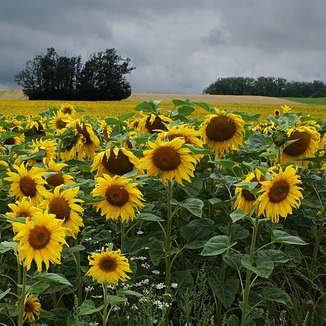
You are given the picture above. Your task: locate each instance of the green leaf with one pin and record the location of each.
(7, 246)
(238, 215)
(156, 252)
(185, 110)
(233, 259)
(224, 292)
(52, 277)
(276, 256)
(38, 156)
(14, 219)
(216, 245)
(256, 142)
(178, 102)
(205, 106)
(226, 164)
(88, 199)
(277, 295)
(150, 106)
(88, 308)
(3, 294)
(283, 237)
(263, 266)
(126, 116)
(76, 248)
(148, 217)
(193, 205)
(233, 320)
(114, 122)
(116, 300)
(129, 292)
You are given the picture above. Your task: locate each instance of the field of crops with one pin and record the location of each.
(162, 213)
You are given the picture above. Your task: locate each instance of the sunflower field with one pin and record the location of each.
(183, 214)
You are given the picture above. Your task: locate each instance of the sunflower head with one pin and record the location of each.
(109, 266)
(279, 137)
(277, 112)
(67, 109)
(31, 309)
(152, 123)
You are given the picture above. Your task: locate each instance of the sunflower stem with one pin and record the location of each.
(79, 278)
(168, 236)
(249, 272)
(21, 301)
(105, 302)
(122, 234)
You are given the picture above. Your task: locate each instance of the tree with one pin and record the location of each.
(103, 77)
(51, 76)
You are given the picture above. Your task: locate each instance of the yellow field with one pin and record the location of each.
(14, 102)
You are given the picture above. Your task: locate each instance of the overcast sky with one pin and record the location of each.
(177, 46)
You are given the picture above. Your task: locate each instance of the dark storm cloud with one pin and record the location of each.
(177, 46)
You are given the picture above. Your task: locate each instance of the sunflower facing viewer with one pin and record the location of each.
(40, 239)
(108, 266)
(280, 194)
(32, 308)
(171, 159)
(122, 197)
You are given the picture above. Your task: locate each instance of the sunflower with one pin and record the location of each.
(115, 161)
(32, 308)
(20, 138)
(152, 123)
(280, 194)
(90, 141)
(277, 112)
(48, 145)
(222, 131)
(68, 109)
(245, 199)
(286, 108)
(40, 239)
(59, 122)
(108, 266)
(22, 208)
(105, 129)
(171, 159)
(64, 205)
(59, 178)
(36, 126)
(306, 145)
(122, 197)
(27, 183)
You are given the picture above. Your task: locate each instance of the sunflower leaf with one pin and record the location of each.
(88, 307)
(283, 237)
(194, 206)
(7, 246)
(216, 245)
(238, 215)
(126, 116)
(148, 217)
(277, 295)
(3, 294)
(38, 156)
(52, 277)
(129, 292)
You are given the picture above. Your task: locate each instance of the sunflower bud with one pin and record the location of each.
(279, 137)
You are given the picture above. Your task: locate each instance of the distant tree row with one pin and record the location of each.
(266, 86)
(54, 77)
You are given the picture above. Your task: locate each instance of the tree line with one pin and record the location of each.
(53, 77)
(266, 86)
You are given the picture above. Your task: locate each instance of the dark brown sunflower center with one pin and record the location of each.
(83, 130)
(23, 214)
(117, 195)
(220, 128)
(278, 191)
(171, 137)
(60, 208)
(9, 141)
(60, 124)
(67, 111)
(108, 265)
(38, 129)
(154, 126)
(55, 180)
(166, 158)
(39, 237)
(249, 196)
(27, 186)
(277, 113)
(29, 307)
(300, 146)
(117, 165)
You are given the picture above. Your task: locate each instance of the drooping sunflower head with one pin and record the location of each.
(223, 132)
(152, 123)
(58, 178)
(307, 141)
(27, 183)
(115, 161)
(109, 266)
(31, 309)
(36, 126)
(65, 206)
(280, 194)
(48, 145)
(40, 239)
(122, 197)
(246, 199)
(169, 158)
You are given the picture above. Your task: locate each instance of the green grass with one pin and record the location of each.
(307, 100)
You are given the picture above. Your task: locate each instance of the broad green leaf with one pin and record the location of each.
(226, 292)
(38, 156)
(194, 206)
(3, 294)
(226, 164)
(262, 266)
(216, 245)
(88, 199)
(116, 300)
(277, 295)
(148, 217)
(238, 215)
(156, 252)
(283, 237)
(88, 308)
(114, 122)
(126, 116)
(233, 259)
(178, 102)
(185, 110)
(76, 249)
(276, 256)
(52, 277)
(129, 292)
(14, 219)
(7, 246)
(256, 142)
(233, 320)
